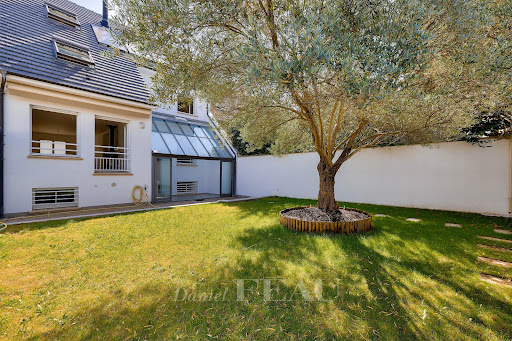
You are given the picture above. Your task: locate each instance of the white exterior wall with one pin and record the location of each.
(206, 173)
(454, 176)
(22, 174)
(200, 108)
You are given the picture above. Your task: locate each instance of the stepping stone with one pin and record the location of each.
(502, 231)
(496, 239)
(452, 225)
(413, 219)
(380, 215)
(493, 261)
(495, 280)
(495, 248)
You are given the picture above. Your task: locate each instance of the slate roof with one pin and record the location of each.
(26, 50)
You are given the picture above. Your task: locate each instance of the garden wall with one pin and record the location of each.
(454, 176)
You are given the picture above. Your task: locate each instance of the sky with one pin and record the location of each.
(95, 5)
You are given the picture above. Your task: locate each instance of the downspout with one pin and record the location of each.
(2, 88)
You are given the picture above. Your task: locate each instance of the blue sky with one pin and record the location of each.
(95, 5)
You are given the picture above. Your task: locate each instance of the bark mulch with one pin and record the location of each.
(316, 214)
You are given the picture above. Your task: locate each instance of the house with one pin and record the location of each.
(78, 127)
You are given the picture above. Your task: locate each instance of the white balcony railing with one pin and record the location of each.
(111, 159)
(54, 148)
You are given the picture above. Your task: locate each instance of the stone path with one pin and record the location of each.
(500, 252)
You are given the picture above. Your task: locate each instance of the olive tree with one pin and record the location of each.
(330, 76)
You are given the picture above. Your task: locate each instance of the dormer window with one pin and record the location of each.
(72, 52)
(62, 15)
(186, 107)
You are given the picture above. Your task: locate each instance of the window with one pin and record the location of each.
(186, 187)
(186, 162)
(45, 198)
(110, 150)
(72, 52)
(53, 133)
(186, 107)
(61, 15)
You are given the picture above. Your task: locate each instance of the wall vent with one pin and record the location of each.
(47, 198)
(186, 161)
(186, 187)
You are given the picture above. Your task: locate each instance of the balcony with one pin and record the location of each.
(108, 159)
(54, 148)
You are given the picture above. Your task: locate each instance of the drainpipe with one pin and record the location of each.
(2, 87)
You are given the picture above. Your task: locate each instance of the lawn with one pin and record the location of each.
(174, 274)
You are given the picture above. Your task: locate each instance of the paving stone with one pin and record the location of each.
(452, 225)
(413, 219)
(495, 280)
(496, 239)
(495, 248)
(380, 215)
(493, 261)
(502, 231)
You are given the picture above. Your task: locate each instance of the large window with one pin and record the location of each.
(53, 133)
(111, 151)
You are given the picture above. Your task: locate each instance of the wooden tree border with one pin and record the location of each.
(346, 227)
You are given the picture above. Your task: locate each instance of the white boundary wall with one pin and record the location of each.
(454, 176)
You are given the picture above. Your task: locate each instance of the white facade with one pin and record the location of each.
(454, 176)
(25, 172)
(200, 107)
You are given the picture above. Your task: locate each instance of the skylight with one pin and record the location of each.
(177, 138)
(72, 52)
(62, 15)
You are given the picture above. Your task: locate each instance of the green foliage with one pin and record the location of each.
(494, 125)
(412, 71)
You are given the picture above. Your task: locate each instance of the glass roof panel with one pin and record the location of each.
(186, 139)
(162, 127)
(157, 143)
(186, 129)
(185, 145)
(172, 143)
(198, 146)
(175, 128)
(210, 147)
(199, 132)
(208, 132)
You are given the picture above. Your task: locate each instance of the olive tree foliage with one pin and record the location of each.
(330, 76)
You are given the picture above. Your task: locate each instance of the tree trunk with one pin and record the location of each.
(326, 199)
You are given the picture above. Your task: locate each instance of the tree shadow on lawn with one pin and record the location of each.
(378, 288)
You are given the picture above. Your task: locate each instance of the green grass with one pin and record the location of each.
(116, 277)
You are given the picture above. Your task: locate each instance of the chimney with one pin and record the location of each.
(104, 21)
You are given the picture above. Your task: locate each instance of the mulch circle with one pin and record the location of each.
(312, 219)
